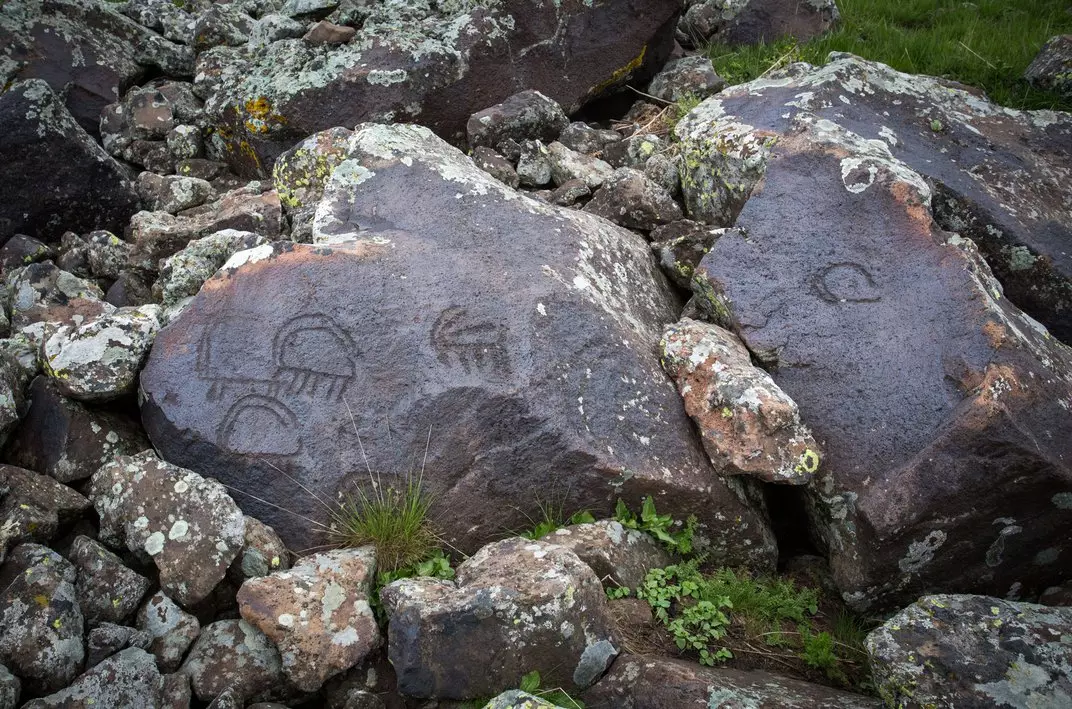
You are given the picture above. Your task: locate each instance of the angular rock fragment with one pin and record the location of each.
(516, 699)
(618, 556)
(183, 274)
(585, 139)
(40, 622)
(688, 77)
(33, 507)
(12, 394)
(680, 246)
(171, 630)
(43, 293)
(10, 689)
(108, 638)
(22, 250)
(751, 22)
(262, 553)
(632, 200)
(536, 598)
(232, 655)
(108, 592)
(959, 650)
(528, 115)
(749, 425)
(317, 614)
(188, 525)
(1052, 67)
(262, 365)
(495, 165)
(943, 410)
(569, 165)
(299, 174)
(172, 193)
(127, 679)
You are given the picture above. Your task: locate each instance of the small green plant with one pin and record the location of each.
(680, 599)
(530, 683)
(616, 592)
(675, 536)
(552, 519)
(680, 109)
(818, 652)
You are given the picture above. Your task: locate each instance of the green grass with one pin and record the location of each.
(985, 43)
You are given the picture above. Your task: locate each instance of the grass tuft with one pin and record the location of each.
(985, 43)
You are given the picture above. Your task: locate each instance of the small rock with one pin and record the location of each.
(664, 169)
(686, 77)
(317, 614)
(127, 679)
(233, 655)
(184, 142)
(618, 556)
(40, 622)
(528, 115)
(585, 139)
(569, 165)
(176, 692)
(201, 168)
(1057, 595)
(273, 28)
(516, 699)
(534, 165)
(106, 254)
(221, 26)
(959, 650)
(34, 507)
(172, 193)
(300, 173)
(100, 360)
(680, 246)
(41, 292)
(67, 440)
(495, 165)
(630, 199)
(108, 638)
(130, 289)
(569, 193)
(749, 426)
(171, 630)
(263, 553)
(187, 524)
(22, 250)
(182, 274)
(108, 592)
(10, 689)
(1052, 67)
(12, 398)
(534, 597)
(634, 151)
(305, 8)
(325, 32)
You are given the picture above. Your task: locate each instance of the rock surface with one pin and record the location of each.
(34, 507)
(317, 614)
(188, 525)
(232, 655)
(127, 679)
(618, 556)
(942, 411)
(431, 64)
(108, 592)
(686, 77)
(661, 683)
(535, 598)
(57, 177)
(959, 651)
(749, 425)
(756, 21)
(485, 303)
(1052, 68)
(170, 628)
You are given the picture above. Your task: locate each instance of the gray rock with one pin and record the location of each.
(634, 151)
(495, 165)
(664, 169)
(108, 592)
(22, 250)
(233, 655)
(43, 293)
(534, 165)
(262, 553)
(34, 508)
(681, 245)
(106, 254)
(172, 193)
(273, 28)
(301, 8)
(960, 651)
(12, 394)
(221, 25)
(182, 274)
(534, 597)
(163, 16)
(184, 142)
(127, 679)
(286, 320)
(639, 682)
(108, 638)
(686, 77)
(188, 525)
(171, 630)
(569, 193)
(1052, 67)
(516, 699)
(299, 174)
(10, 689)
(569, 165)
(585, 139)
(317, 614)
(632, 200)
(40, 623)
(58, 178)
(100, 359)
(528, 115)
(67, 440)
(751, 22)
(618, 556)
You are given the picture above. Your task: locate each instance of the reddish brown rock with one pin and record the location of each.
(317, 614)
(233, 656)
(325, 32)
(749, 425)
(943, 412)
(510, 345)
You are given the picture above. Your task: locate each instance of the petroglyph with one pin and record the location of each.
(469, 343)
(846, 282)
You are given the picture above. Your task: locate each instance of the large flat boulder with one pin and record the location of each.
(56, 178)
(429, 63)
(942, 410)
(443, 323)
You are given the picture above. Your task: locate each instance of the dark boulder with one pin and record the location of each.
(1052, 68)
(504, 346)
(57, 178)
(751, 22)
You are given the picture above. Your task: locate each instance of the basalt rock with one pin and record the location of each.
(56, 176)
(619, 556)
(108, 592)
(171, 630)
(34, 508)
(108, 638)
(232, 655)
(688, 77)
(127, 679)
(528, 115)
(951, 651)
(755, 21)
(942, 410)
(468, 346)
(431, 63)
(1052, 68)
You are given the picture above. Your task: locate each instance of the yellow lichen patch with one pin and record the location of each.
(621, 73)
(809, 461)
(41, 600)
(259, 116)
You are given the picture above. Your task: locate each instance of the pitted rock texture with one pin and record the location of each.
(68, 440)
(33, 507)
(755, 21)
(170, 628)
(947, 651)
(127, 679)
(58, 178)
(108, 638)
(430, 63)
(536, 598)
(317, 614)
(660, 683)
(232, 655)
(942, 411)
(85, 50)
(998, 176)
(188, 525)
(749, 425)
(108, 592)
(617, 555)
(100, 359)
(484, 302)
(40, 622)
(1052, 68)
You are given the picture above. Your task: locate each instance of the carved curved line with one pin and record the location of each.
(317, 322)
(282, 414)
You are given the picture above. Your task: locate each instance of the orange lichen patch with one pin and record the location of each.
(259, 116)
(995, 333)
(999, 383)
